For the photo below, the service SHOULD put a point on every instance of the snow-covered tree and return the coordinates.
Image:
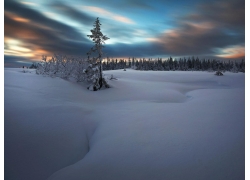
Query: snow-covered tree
(79, 65)
(33, 66)
(44, 66)
(234, 69)
(96, 62)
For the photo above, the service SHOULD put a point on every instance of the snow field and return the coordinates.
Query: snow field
(148, 125)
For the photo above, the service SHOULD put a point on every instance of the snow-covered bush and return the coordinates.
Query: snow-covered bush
(218, 73)
(112, 77)
(79, 66)
(43, 66)
(62, 66)
(66, 67)
(25, 70)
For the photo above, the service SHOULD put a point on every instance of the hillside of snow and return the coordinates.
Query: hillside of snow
(149, 125)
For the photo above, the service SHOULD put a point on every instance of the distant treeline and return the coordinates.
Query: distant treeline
(183, 64)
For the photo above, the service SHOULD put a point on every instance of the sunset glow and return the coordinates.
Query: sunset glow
(233, 52)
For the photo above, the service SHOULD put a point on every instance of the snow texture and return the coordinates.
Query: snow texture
(148, 125)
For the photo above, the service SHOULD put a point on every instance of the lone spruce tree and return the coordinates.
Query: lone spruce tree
(99, 39)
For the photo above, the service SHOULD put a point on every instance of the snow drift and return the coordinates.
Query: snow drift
(148, 125)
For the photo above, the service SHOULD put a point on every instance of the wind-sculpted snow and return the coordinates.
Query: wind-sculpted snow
(148, 125)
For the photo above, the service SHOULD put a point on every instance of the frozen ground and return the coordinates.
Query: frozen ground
(149, 125)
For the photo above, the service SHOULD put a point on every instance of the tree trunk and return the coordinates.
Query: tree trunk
(100, 67)
(100, 80)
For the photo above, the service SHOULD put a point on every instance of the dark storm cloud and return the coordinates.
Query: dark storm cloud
(225, 14)
(41, 33)
(72, 13)
(214, 25)
(36, 17)
(191, 39)
(48, 40)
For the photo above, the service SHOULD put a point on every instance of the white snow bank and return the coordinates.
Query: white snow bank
(149, 125)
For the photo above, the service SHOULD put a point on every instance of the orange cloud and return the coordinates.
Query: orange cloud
(21, 19)
(16, 47)
(39, 52)
(22, 33)
(123, 19)
(189, 30)
(16, 18)
(233, 52)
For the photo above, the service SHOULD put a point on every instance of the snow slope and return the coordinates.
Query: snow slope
(149, 125)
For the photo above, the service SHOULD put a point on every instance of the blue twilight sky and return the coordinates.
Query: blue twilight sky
(136, 28)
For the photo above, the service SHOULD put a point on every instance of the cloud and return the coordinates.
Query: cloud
(73, 13)
(109, 14)
(212, 29)
(39, 34)
(231, 52)
(225, 14)
(132, 5)
(35, 17)
(222, 12)
(43, 35)
(29, 3)
(194, 39)
(212, 26)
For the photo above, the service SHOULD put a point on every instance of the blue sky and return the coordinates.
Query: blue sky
(136, 28)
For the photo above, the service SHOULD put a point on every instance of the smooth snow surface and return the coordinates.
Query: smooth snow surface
(148, 125)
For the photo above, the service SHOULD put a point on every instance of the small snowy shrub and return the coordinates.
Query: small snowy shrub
(25, 69)
(112, 77)
(218, 73)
